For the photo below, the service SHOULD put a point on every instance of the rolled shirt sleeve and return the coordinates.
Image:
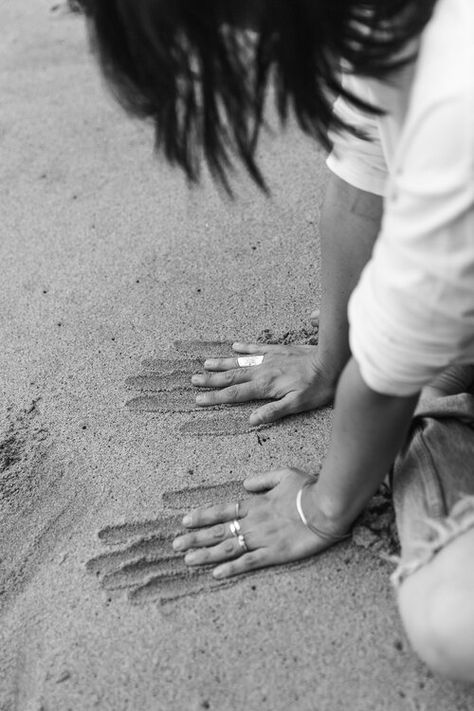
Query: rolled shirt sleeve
(361, 163)
(412, 312)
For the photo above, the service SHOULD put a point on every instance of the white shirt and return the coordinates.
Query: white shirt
(412, 312)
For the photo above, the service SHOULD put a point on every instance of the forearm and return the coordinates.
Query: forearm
(369, 429)
(350, 223)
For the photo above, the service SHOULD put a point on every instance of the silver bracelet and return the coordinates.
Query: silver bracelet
(308, 524)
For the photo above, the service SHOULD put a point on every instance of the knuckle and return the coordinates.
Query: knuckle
(268, 412)
(192, 540)
(229, 569)
(201, 556)
(183, 543)
(252, 559)
(266, 384)
(219, 512)
(206, 518)
(229, 377)
(232, 394)
(208, 379)
(228, 547)
(219, 533)
(214, 397)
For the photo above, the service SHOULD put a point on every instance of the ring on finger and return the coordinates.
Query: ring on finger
(237, 509)
(234, 528)
(243, 545)
(247, 361)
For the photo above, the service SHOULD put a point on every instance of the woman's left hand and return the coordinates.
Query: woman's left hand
(260, 531)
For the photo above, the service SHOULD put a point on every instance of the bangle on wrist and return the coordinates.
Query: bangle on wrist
(322, 534)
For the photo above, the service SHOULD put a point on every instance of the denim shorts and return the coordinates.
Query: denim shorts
(433, 481)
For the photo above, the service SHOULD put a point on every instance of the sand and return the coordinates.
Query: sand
(108, 260)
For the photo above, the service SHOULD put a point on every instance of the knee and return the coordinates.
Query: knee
(438, 616)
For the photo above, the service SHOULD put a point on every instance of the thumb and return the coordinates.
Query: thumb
(265, 481)
(275, 410)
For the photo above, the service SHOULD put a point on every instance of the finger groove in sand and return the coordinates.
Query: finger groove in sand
(183, 400)
(170, 366)
(204, 495)
(156, 382)
(167, 588)
(177, 401)
(153, 548)
(138, 572)
(112, 535)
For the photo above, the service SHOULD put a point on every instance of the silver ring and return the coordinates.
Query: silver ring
(237, 507)
(247, 361)
(234, 528)
(242, 542)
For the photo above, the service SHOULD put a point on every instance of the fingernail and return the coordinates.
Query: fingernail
(218, 573)
(187, 520)
(189, 558)
(209, 363)
(177, 544)
(200, 399)
(196, 379)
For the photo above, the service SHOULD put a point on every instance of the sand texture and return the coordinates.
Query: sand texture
(116, 282)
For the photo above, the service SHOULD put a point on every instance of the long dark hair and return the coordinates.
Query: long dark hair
(195, 70)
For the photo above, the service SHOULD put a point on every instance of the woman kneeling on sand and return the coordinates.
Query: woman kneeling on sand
(397, 268)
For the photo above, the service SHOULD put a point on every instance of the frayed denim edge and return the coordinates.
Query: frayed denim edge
(459, 521)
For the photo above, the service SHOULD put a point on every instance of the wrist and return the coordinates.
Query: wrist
(323, 517)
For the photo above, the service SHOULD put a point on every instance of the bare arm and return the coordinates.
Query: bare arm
(369, 429)
(300, 378)
(350, 224)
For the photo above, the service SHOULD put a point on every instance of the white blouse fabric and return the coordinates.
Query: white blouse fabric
(412, 312)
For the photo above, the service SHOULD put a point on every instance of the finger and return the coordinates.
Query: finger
(214, 514)
(252, 560)
(276, 409)
(202, 538)
(265, 481)
(253, 348)
(221, 380)
(235, 393)
(229, 548)
(220, 363)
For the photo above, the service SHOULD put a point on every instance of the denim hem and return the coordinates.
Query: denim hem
(445, 530)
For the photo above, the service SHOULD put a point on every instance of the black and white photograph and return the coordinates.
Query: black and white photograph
(237, 355)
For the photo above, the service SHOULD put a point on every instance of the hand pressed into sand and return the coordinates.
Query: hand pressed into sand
(292, 376)
(272, 529)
